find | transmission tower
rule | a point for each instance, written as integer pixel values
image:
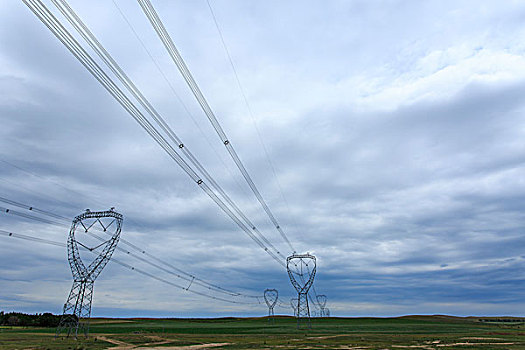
(301, 270)
(293, 303)
(77, 309)
(270, 297)
(321, 301)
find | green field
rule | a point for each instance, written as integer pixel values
(413, 332)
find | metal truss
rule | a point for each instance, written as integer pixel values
(293, 303)
(301, 270)
(270, 297)
(77, 309)
(321, 301)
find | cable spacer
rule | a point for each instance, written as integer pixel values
(181, 145)
(199, 181)
(226, 142)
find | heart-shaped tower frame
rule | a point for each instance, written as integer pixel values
(301, 270)
(77, 309)
(270, 297)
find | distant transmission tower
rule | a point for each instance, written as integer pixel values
(77, 309)
(301, 270)
(321, 300)
(270, 297)
(293, 303)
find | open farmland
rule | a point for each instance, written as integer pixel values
(412, 332)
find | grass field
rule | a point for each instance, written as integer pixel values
(412, 332)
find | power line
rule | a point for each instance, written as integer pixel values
(31, 208)
(164, 76)
(124, 241)
(67, 219)
(41, 11)
(131, 267)
(32, 238)
(84, 31)
(39, 176)
(316, 303)
(164, 36)
(27, 216)
(250, 112)
(76, 49)
(191, 278)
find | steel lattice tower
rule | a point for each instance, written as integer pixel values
(321, 301)
(77, 309)
(270, 297)
(301, 270)
(293, 303)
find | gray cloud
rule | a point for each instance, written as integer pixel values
(395, 130)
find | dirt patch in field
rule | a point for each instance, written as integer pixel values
(472, 344)
(187, 347)
(120, 345)
(330, 336)
(156, 341)
(434, 346)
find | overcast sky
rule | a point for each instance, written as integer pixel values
(395, 128)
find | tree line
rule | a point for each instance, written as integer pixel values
(46, 319)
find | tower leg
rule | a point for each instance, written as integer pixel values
(271, 315)
(85, 310)
(303, 311)
(77, 309)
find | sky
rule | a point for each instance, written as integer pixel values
(387, 137)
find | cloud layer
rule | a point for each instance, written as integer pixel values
(396, 131)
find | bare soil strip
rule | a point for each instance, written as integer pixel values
(448, 345)
(473, 344)
(120, 345)
(330, 336)
(187, 347)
